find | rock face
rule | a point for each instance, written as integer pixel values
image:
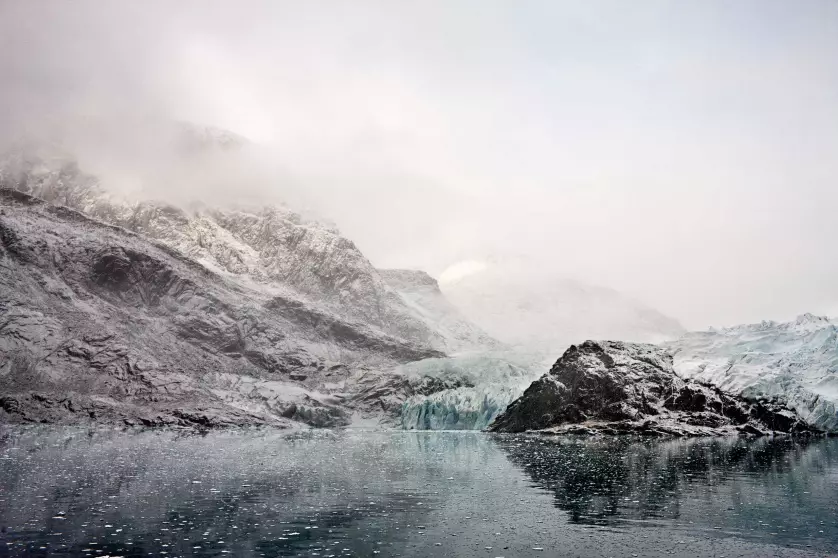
(101, 323)
(613, 387)
(273, 246)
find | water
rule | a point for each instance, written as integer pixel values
(73, 492)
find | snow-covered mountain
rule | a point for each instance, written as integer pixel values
(274, 247)
(525, 306)
(100, 322)
(795, 362)
(150, 313)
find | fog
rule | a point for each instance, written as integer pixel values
(681, 152)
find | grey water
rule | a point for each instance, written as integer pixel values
(78, 492)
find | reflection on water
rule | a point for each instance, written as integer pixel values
(782, 487)
(75, 492)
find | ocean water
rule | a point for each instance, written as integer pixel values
(79, 492)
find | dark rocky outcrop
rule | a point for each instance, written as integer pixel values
(615, 387)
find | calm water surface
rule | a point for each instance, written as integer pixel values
(74, 492)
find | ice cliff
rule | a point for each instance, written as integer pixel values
(487, 384)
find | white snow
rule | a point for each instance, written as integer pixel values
(794, 361)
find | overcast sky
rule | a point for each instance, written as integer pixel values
(683, 152)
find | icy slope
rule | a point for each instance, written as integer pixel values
(796, 362)
(527, 307)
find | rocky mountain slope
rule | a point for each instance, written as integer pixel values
(613, 387)
(273, 246)
(795, 362)
(149, 313)
(98, 321)
(528, 307)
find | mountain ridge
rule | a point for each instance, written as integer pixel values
(273, 246)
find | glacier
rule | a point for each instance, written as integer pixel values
(464, 408)
(795, 362)
(486, 384)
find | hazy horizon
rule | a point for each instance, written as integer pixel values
(680, 153)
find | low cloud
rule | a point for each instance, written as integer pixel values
(685, 156)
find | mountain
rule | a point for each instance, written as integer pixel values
(274, 247)
(525, 306)
(100, 321)
(148, 313)
(614, 387)
(795, 362)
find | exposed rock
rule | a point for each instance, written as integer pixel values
(51, 408)
(100, 323)
(614, 387)
(272, 246)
